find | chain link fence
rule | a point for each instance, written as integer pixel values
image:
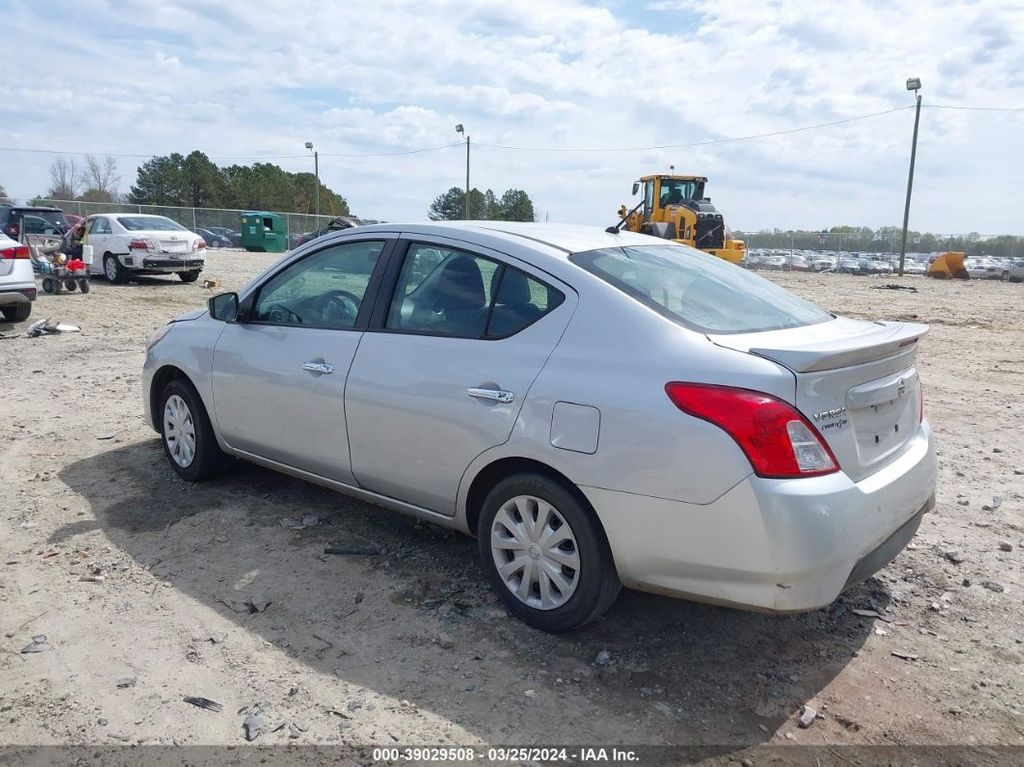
(296, 224)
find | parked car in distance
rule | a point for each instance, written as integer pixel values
(1015, 271)
(797, 262)
(18, 220)
(822, 263)
(17, 280)
(337, 224)
(212, 239)
(234, 236)
(459, 372)
(775, 262)
(129, 244)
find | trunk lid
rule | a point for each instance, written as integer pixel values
(856, 381)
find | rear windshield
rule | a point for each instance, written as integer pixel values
(145, 224)
(54, 217)
(698, 290)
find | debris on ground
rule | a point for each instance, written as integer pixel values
(993, 586)
(894, 286)
(1005, 546)
(125, 682)
(904, 655)
(310, 520)
(38, 644)
(953, 555)
(200, 702)
(445, 641)
(39, 327)
(807, 717)
(253, 725)
(603, 658)
(258, 603)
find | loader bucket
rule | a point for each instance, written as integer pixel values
(948, 266)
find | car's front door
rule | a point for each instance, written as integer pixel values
(442, 373)
(279, 374)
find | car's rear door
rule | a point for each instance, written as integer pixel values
(442, 372)
(279, 376)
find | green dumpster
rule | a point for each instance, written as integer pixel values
(263, 232)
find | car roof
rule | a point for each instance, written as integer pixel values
(561, 238)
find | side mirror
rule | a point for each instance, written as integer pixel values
(636, 187)
(224, 307)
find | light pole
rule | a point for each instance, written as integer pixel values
(913, 84)
(316, 172)
(460, 129)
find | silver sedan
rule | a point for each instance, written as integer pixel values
(598, 409)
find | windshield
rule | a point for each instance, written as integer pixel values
(149, 224)
(674, 191)
(698, 290)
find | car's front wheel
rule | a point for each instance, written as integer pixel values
(189, 442)
(545, 554)
(188, 276)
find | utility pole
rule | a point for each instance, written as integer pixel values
(460, 129)
(316, 173)
(913, 84)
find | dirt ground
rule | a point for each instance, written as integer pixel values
(409, 647)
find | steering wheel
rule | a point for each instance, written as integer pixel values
(338, 307)
(281, 315)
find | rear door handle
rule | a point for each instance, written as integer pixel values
(320, 368)
(495, 395)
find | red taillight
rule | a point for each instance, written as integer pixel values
(17, 251)
(777, 440)
(199, 245)
(140, 245)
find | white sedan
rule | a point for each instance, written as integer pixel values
(126, 244)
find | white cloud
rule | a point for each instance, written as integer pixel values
(388, 76)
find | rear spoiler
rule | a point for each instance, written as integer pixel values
(879, 341)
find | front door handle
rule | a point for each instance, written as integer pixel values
(495, 395)
(320, 368)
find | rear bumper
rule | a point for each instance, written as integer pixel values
(17, 295)
(160, 264)
(774, 545)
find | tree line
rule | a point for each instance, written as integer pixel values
(885, 239)
(513, 205)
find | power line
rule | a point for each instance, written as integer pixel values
(706, 142)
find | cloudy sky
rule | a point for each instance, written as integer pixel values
(246, 81)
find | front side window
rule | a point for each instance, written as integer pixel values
(99, 226)
(323, 290)
(698, 290)
(441, 291)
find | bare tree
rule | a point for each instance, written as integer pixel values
(65, 179)
(101, 178)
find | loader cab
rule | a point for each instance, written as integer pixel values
(662, 191)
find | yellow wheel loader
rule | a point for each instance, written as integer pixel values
(949, 266)
(675, 208)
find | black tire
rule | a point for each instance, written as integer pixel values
(70, 285)
(188, 276)
(58, 286)
(598, 583)
(83, 285)
(47, 285)
(114, 270)
(17, 313)
(208, 460)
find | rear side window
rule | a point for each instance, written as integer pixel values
(155, 224)
(448, 292)
(698, 290)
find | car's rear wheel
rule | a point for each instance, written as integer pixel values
(17, 313)
(188, 438)
(188, 276)
(113, 269)
(545, 554)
